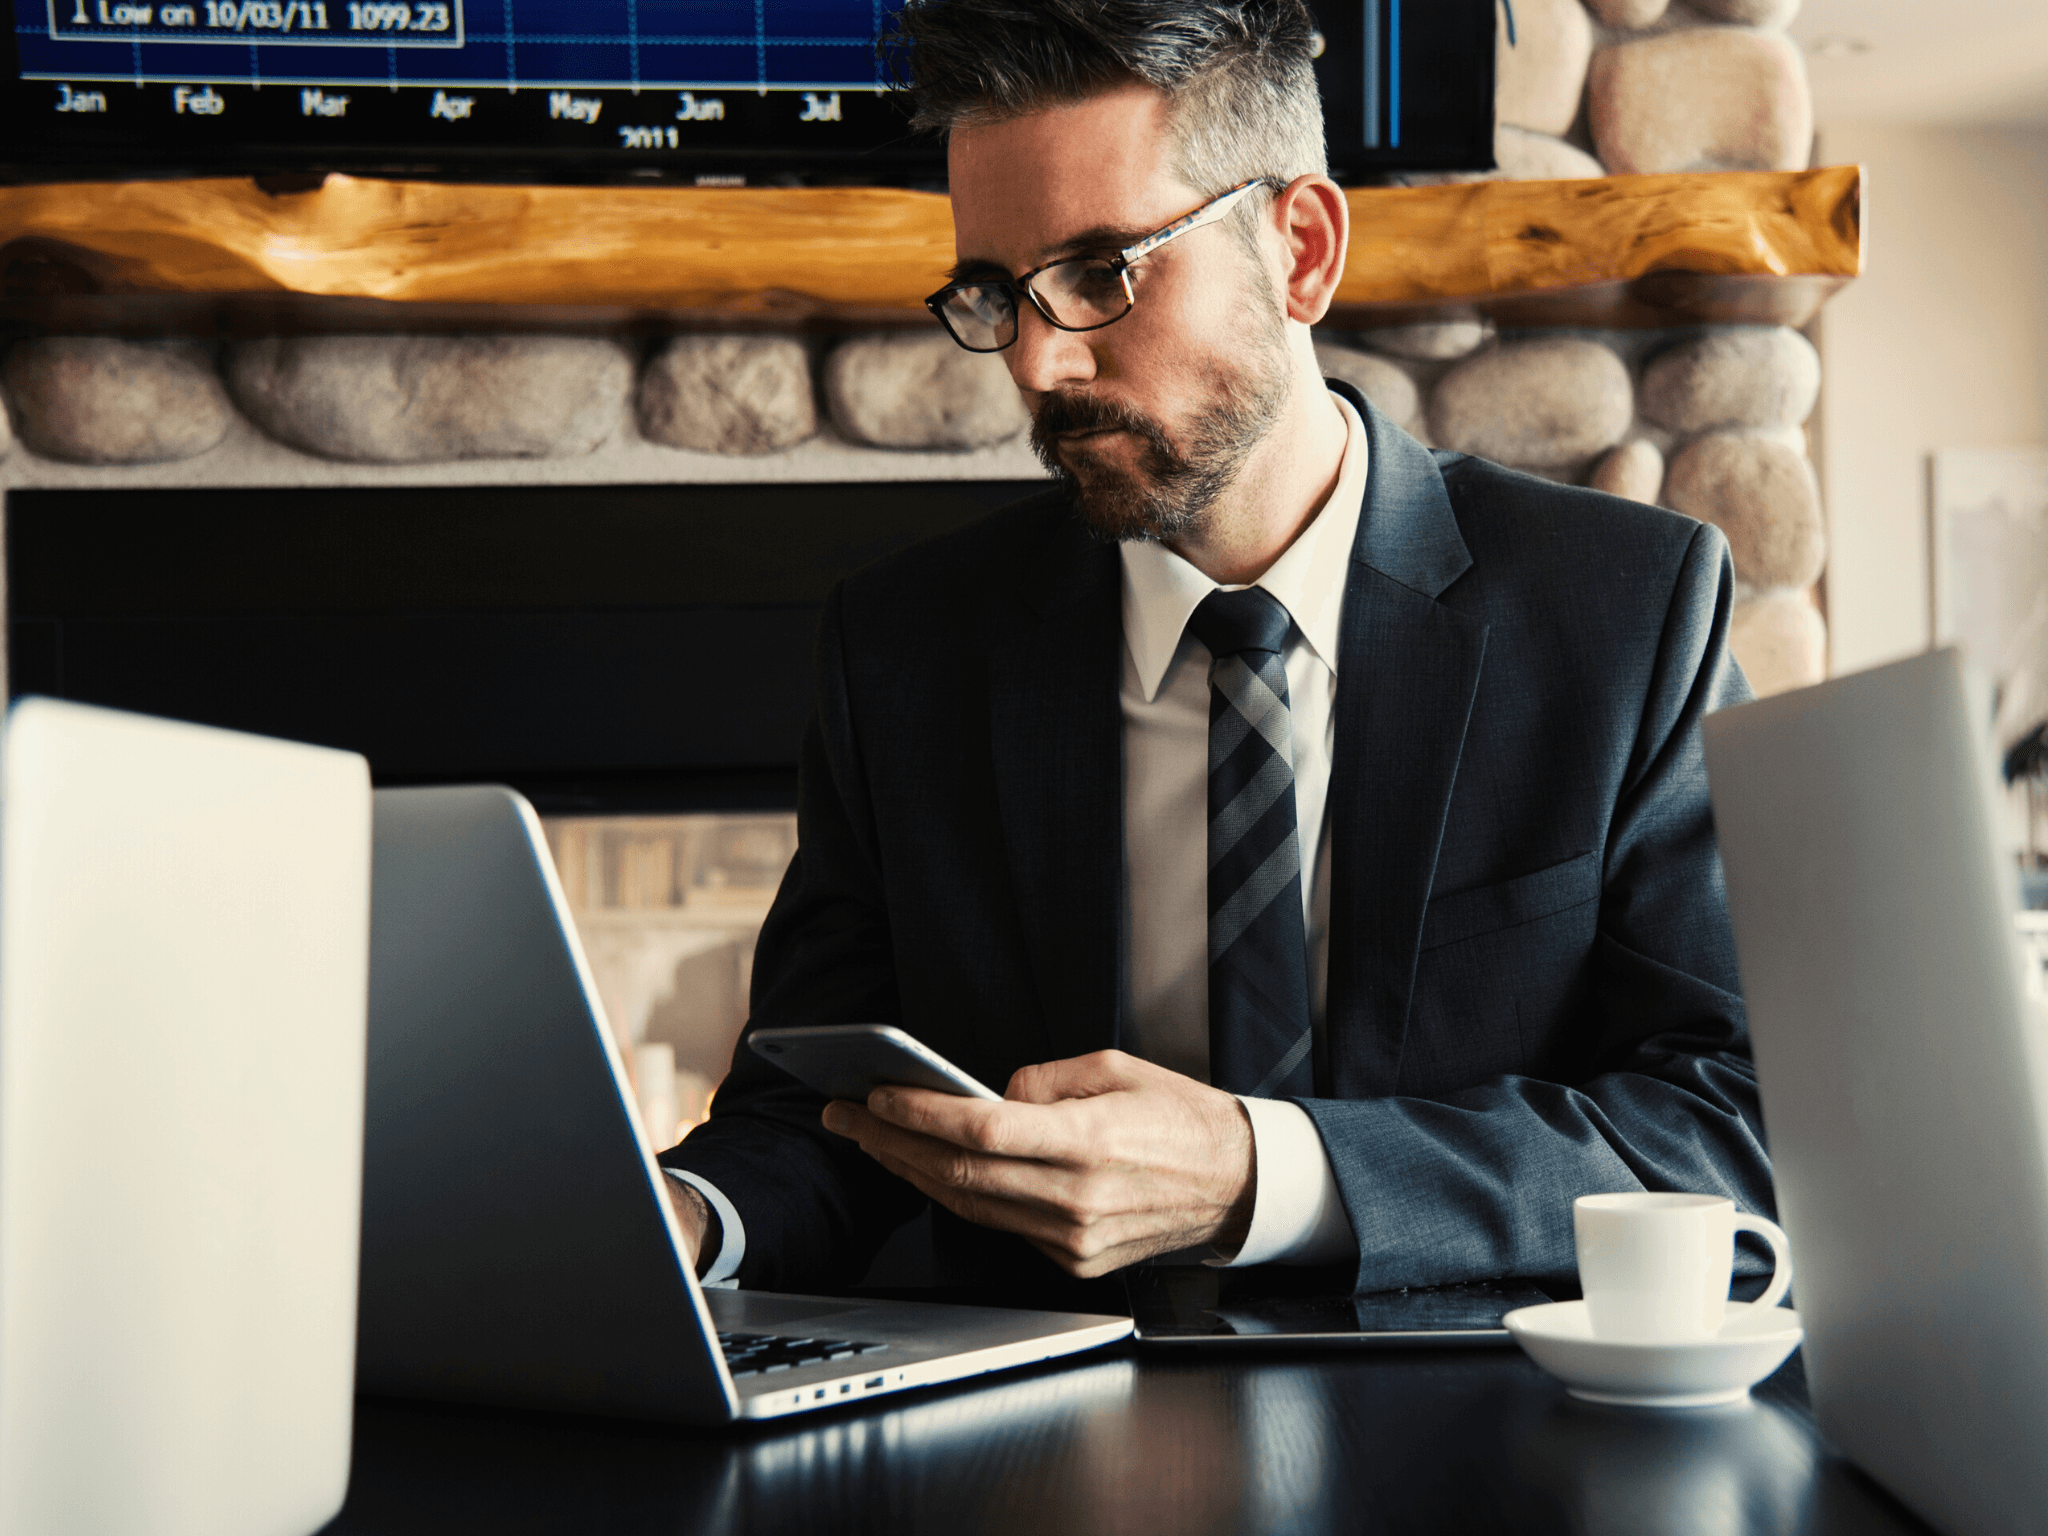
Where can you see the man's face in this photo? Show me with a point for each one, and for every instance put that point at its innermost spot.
(1151, 417)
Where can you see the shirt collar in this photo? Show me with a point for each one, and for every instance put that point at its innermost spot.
(1161, 590)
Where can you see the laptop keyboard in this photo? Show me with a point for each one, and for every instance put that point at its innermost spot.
(759, 1354)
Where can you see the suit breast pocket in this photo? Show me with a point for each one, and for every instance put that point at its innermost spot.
(1500, 977)
(1466, 915)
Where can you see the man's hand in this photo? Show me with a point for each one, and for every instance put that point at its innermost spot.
(1099, 1161)
(693, 1215)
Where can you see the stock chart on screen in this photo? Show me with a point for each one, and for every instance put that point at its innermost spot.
(722, 90)
(601, 80)
(728, 45)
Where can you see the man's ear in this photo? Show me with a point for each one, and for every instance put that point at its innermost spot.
(1314, 225)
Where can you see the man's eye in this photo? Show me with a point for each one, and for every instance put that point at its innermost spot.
(1097, 279)
(988, 303)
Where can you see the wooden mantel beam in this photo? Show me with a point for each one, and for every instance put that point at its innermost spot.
(1650, 243)
(1634, 249)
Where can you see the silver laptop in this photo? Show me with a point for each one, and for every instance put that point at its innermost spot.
(1904, 1077)
(518, 1245)
(184, 951)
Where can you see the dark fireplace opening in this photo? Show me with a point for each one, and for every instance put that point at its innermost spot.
(605, 649)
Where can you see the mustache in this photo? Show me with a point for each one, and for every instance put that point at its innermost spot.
(1064, 412)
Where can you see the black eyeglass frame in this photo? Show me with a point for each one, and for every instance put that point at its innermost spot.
(1216, 208)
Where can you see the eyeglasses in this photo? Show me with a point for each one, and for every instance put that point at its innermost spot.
(1077, 293)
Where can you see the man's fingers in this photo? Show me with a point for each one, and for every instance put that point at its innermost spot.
(1043, 1199)
(962, 1168)
(1003, 1129)
(949, 1116)
(970, 1204)
(1077, 1219)
(1100, 1161)
(1081, 1249)
(1076, 1077)
(843, 1117)
(1085, 1249)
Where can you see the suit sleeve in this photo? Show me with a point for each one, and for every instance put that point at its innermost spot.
(815, 1207)
(1479, 1182)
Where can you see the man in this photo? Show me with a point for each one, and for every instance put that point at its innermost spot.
(1310, 830)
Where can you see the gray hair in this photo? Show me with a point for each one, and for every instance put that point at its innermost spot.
(1236, 76)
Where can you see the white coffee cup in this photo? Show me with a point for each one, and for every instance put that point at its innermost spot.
(1655, 1267)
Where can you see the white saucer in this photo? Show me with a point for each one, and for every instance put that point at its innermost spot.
(1752, 1343)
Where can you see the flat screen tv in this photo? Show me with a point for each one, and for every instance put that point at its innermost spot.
(715, 92)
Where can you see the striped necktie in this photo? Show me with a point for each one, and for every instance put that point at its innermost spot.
(1258, 955)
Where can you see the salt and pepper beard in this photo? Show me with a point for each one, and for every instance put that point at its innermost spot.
(1173, 487)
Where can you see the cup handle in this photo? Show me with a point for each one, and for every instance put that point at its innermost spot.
(1781, 1256)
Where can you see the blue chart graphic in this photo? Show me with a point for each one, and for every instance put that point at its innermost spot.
(762, 45)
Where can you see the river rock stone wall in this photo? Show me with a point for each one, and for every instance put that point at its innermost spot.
(1638, 86)
(1626, 87)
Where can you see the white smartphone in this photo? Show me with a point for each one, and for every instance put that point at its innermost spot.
(847, 1061)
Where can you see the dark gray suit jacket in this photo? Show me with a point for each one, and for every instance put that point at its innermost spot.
(1532, 988)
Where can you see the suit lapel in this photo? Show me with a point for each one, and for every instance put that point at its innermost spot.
(1408, 672)
(1056, 731)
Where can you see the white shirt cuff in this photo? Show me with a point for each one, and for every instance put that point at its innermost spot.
(733, 1245)
(1298, 1215)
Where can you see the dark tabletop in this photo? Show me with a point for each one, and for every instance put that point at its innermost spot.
(1124, 1441)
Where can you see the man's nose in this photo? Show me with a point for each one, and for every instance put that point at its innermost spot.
(1044, 357)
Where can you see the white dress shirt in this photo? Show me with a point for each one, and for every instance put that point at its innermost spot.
(1297, 1215)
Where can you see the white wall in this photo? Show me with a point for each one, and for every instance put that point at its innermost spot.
(1943, 343)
